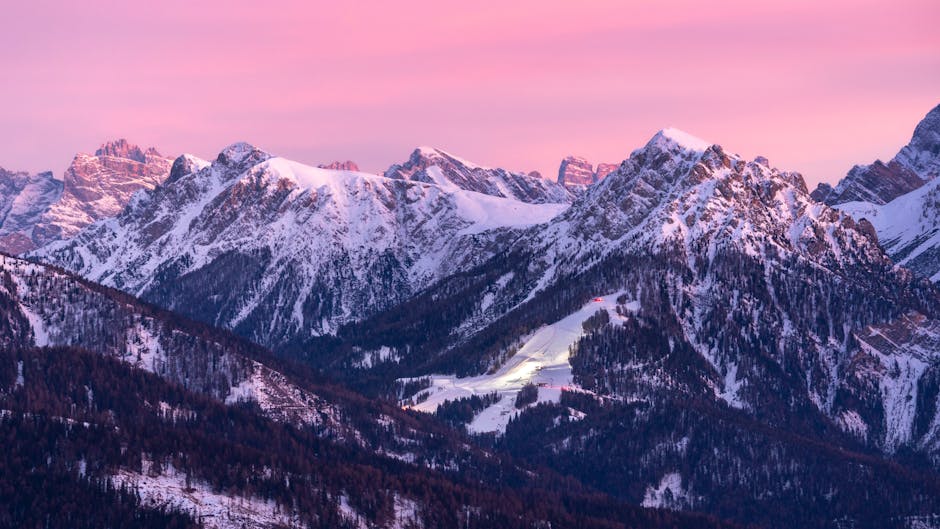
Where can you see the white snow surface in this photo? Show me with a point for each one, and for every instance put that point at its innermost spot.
(900, 367)
(668, 494)
(910, 223)
(542, 360)
(20, 380)
(309, 219)
(406, 514)
(684, 139)
(216, 510)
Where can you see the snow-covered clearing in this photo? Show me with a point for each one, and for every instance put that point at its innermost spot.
(542, 360)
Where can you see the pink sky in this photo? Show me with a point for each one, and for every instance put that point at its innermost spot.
(814, 86)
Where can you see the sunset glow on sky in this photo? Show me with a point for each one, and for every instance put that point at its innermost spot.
(814, 86)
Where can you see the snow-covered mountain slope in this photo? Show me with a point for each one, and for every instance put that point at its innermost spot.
(762, 318)
(762, 292)
(38, 209)
(280, 251)
(427, 164)
(908, 227)
(47, 307)
(879, 183)
(542, 360)
(23, 200)
(41, 306)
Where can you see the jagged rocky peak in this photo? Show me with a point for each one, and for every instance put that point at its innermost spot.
(122, 149)
(672, 138)
(680, 153)
(434, 166)
(337, 165)
(99, 186)
(185, 164)
(41, 208)
(575, 170)
(241, 154)
(604, 169)
(677, 185)
(922, 154)
(24, 197)
(879, 183)
(423, 158)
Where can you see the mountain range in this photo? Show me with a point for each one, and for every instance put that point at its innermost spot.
(39, 208)
(686, 330)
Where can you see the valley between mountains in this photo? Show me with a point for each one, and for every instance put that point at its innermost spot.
(688, 338)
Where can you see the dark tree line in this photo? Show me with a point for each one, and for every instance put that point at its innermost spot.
(72, 406)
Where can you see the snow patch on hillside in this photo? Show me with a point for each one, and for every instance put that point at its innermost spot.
(213, 509)
(143, 348)
(280, 399)
(20, 380)
(902, 372)
(668, 494)
(406, 514)
(542, 360)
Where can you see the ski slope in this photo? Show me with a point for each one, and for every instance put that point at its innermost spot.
(542, 360)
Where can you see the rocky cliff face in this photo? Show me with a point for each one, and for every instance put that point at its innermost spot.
(23, 200)
(604, 169)
(99, 186)
(576, 171)
(348, 165)
(879, 183)
(900, 199)
(38, 209)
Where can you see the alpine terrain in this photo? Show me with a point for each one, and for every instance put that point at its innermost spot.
(39, 208)
(908, 224)
(688, 330)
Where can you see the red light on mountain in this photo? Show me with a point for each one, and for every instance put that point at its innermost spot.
(598, 299)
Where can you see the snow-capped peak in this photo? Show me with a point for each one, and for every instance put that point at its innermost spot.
(239, 152)
(432, 152)
(681, 139)
(921, 154)
(121, 148)
(186, 164)
(434, 166)
(315, 238)
(880, 182)
(305, 176)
